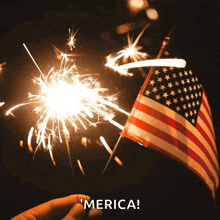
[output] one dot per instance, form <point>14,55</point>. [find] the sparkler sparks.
<point>1,65</point>
<point>138,58</point>
<point>71,39</point>
<point>132,51</point>
<point>67,99</point>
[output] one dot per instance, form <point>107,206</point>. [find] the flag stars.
<point>194,87</point>
<point>181,99</point>
<point>152,82</point>
<point>188,81</point>
<point>197,103</point>
<point>184,107</point>
<point>155,89</point>
<point>147,92</point>
<point>162,87</point>
<point>191,113</point>
<point>196,79</point>
<point>192,96</point>
<point>170,85</point>
<point>200,94</point>
<point>178,108</point>
<point>187,97</point>
<point>171,68</point>
<point>196,95</point>
<point>176,83</point>
<point>180,74</point>
<point>186,115</point>
<point>166,53</point>
<point>185,73</point>
<point>198,86</point>
<point>190,88</point>
<point>159,79</point>
<point>175,101</point>
<point>190,72</point>
<point>157,97</point>
<point>193,121</point>
<point>185,89</point>
<point>174,75</point>
<point>165,95</point>
<point>193,104</point>
<point>157,72</point>
<point>195,112</point>
<point>172,93</point>
<point>179,91</point>
<point>168,102</point>
<point>182,82</point>
<point>193,80</point>
<point>189,105</point>
<point>167,77</point>
<point>164,70</point>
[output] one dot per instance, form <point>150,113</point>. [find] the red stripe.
<point>155,147</point>
<point>173,141</point>
<point>166,119</point>
<point>202,116</point>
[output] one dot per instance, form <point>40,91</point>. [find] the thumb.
<point>77,212</point>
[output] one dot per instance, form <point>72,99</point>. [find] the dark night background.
<point>166,189</point>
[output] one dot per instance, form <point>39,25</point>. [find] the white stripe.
<point>179,136</point>
<point>176,117</point>
<point>137,132</point>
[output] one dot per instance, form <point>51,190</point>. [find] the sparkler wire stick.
<point>33,59</point>
<point>68,149</point>
<point>164,44</point>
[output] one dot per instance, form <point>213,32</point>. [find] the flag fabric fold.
<point>172,115</point>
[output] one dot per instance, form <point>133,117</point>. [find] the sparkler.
<point>71,39</point>
<point>67,99</point>
<point>138,58</point>
<point>1,65</point>
<point>132,51</point>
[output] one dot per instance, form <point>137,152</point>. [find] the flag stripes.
<point>155,125</point>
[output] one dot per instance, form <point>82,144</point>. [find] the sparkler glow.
<point>1,65</point>
<point>71,39</point>
<point>138,58</point>
<point>67,98</point>
<point>132,51</point>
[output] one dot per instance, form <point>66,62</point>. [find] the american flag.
<point>171,114</point>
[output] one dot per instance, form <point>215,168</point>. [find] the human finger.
<point>52,208</point>
<point>77,212</point>
<point>94,214</point>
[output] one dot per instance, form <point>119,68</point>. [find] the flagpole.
<point>113,154</point>
<point>164,44</point>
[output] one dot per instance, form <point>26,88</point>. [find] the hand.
<point>67,208</point>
